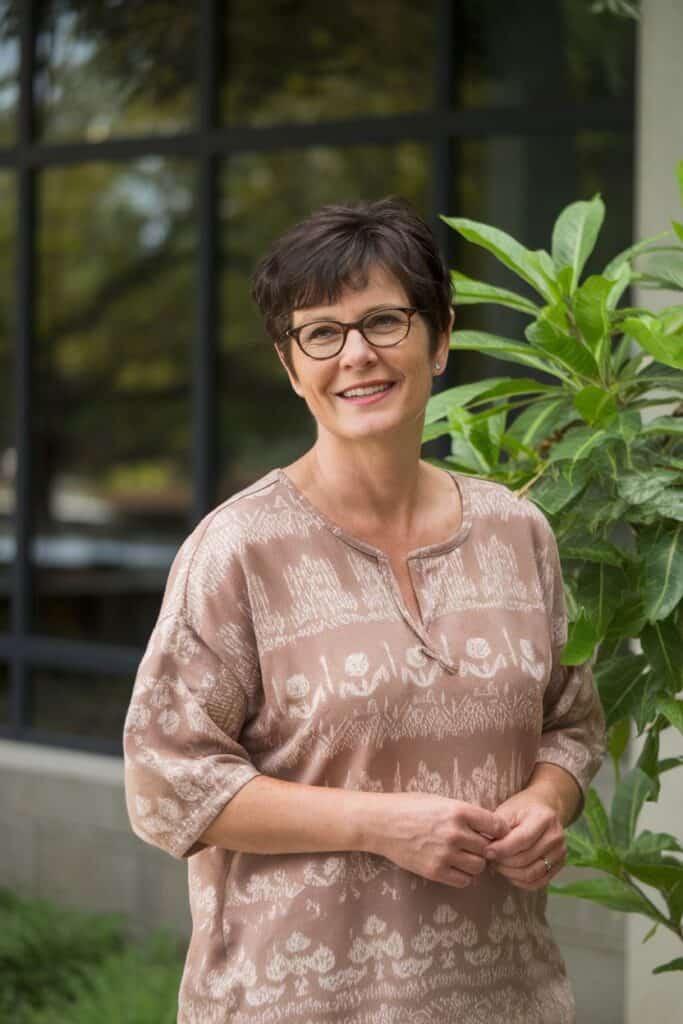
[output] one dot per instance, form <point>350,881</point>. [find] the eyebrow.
<point>370,309</point>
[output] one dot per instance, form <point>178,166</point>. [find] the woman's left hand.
<point>536,832</point>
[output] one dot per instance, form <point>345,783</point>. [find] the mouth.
<point>380,389</point>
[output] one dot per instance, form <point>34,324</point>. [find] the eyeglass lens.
<point>385,327</point>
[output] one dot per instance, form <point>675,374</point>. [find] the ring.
<point>548,864</point>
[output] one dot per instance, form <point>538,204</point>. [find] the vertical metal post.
<point>204,352</point>
<point>23,438</point>
<point>443,164</point>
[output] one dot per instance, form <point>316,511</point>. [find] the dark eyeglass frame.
<point>293,332</point>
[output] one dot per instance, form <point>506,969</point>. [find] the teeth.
<point>353,392</point>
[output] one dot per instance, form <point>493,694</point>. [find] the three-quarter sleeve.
<point>573,734</point>
<point>183,760</point>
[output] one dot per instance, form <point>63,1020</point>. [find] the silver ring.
<point>548,864</point>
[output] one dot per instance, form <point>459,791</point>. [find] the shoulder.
<point>209,564</point>
<point>496,501</point>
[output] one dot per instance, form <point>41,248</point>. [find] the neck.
<point>376,485</point>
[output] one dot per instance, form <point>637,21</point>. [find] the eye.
<point>322,332</point>
<point>383,320</point>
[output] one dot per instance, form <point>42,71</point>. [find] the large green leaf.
<point>440,403</point>
<point>526,264</point>
<point>577,444</point>
<point>663,645</point>
<point>667,348</point>
<point>648,843</point>
<point>672,710</point>
<point>574,235</point>
<point>469,291</point>
<point>665,268</point>
<point>629,796</point>
<point>664,874</point>
<point>596,819</point>
<point>618,681</point>
<point>661,555</point>
<point>664,425</point>
<point>504,349</point>
<point>562,348</point>
<point>583,636</point>
<point>673,965</point>
<point>584,548</point>
<point>558,486</point>
<point>614,267</point>
<point>597,406</point>
<point>610,892</point>
<point>537,422</point>
<point>639,488</point>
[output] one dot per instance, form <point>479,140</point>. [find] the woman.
<point>351,716</point>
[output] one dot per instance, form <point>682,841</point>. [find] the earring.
<point>437,366</point>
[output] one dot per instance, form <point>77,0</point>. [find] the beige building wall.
<point>659,146</point>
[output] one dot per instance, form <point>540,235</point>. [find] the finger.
<point>520,838</point>
<point>487,823</point>
<point>451,876</point>
<point>554,852</point>
<point>533,877</point>
<point>469,863</point>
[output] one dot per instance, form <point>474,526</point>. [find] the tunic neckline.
<point>460,482</point>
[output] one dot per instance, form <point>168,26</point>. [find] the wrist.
<point>556,788</point>
<point>370,822</point>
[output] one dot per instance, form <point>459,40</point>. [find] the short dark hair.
<point>335,247</point>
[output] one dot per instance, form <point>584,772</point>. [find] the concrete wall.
<point>659,145</point>
<point>67,838</point>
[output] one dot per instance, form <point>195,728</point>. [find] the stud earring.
<point>437,366</point>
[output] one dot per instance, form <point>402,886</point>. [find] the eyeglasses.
<point>323,339</point>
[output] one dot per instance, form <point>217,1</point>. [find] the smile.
<point>376,396</point>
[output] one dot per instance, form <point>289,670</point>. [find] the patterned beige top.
<point>283,646</point>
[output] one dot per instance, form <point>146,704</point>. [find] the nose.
<point>357,349</point>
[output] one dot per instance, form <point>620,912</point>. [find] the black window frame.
<point>208,145</point>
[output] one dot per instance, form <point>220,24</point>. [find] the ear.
<point>441,354</point>
<point>293,379</point>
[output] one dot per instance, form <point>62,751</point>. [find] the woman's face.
<point>407,366</point>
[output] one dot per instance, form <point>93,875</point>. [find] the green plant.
<point>611,484</point>
<point>138,986</point>
<point>64,966</point>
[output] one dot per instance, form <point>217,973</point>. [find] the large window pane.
<point>262,422</point>
<point>78,704</point>
<point>107,69</point>
<point>112,427</point>
<point>7,407</point>
<point>310,61</point>
<point>9,69</point>
<point>539,52</point>
<point>521,185</point>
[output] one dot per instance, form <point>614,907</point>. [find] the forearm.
<point>558,788</point>
<point>270,815</point>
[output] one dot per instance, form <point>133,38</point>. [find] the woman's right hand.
<point>434,836</point>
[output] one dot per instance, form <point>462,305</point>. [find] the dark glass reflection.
<point>9,69</point>
<point>308,61</point>
<point>111,430</point>
<point>539,52</point>
<point>521,185</point>
<point>263,423</point>
<point>4,694</point>
<point>78,704</point>
<point>106,69</point>
<point>7,407</point>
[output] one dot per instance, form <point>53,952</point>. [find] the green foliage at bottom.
<point>63,966</point>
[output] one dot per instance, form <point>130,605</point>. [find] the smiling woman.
<point>352,717</point>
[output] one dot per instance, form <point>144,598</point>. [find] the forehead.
<point>382,289</point>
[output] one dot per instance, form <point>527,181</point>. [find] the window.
<point>155,158</point>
